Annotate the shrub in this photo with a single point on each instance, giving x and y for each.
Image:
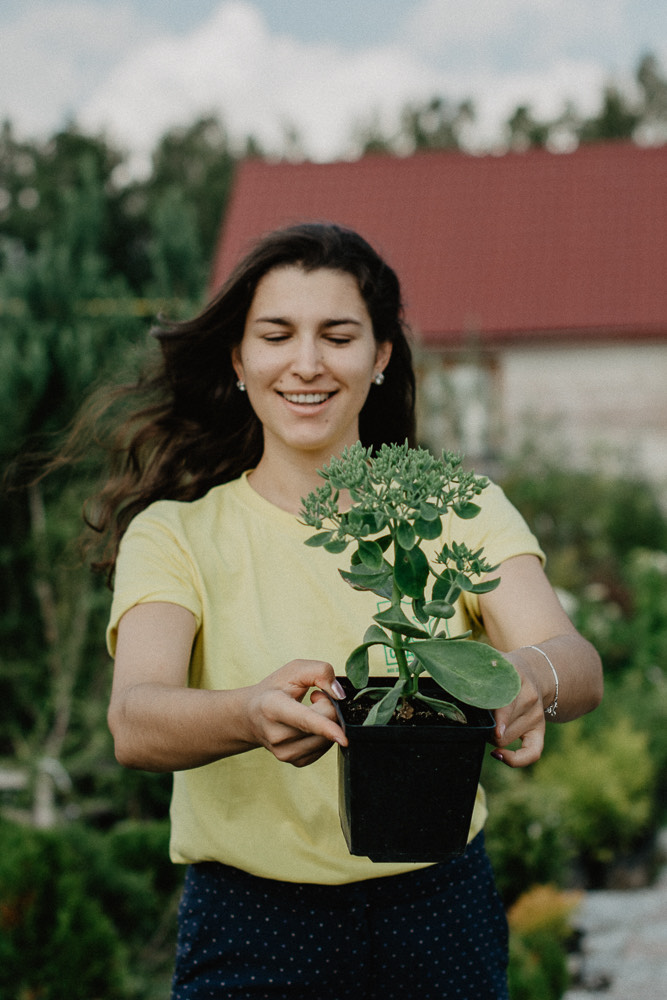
(605, 779)
(525, 837)
(56, 941)
(86, 915)
(540, 928)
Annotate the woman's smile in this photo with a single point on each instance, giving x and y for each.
(306, 398)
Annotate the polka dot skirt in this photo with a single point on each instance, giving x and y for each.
(439, 932)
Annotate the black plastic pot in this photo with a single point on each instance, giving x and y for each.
(405, 792)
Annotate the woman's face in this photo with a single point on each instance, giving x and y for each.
(308, 357)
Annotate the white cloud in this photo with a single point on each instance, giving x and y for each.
(52, 53)
(259, 83)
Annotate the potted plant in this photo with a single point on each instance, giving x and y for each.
(426, 729)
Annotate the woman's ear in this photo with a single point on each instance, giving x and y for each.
(382, 355)
(237, 365)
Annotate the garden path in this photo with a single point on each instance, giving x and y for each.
(625, 943)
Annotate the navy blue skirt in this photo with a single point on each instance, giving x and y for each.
(439, 932)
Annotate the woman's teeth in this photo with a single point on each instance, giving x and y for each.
(306, 397)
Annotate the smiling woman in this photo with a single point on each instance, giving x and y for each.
(228, 631)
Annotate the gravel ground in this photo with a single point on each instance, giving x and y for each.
(624, 949)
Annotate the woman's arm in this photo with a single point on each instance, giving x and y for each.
(522, 612)
(159, 724)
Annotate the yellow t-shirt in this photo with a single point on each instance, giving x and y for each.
(261, 598)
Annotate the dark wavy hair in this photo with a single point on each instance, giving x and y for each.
(191, 429)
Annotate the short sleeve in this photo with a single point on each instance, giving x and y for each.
(153, 564)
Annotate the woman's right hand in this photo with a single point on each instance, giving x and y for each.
(160, 724)
(295, 733)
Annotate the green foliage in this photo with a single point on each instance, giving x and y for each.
(400, 495)
(606, 780)
(587, 523)
(525, 834)
(537, 967)
(56, 941)
(623, 114)
(540, 928)
(79, 908)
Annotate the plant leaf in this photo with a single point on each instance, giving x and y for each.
(374, 636)
(447, 708)
(363, 578)
(428, 529)
(375, 693)
(382, 712)
(466, 511)
(418, 607)
(470, 671)
(338, 545)
(485, 586)
(321, 538)
(439, 609)
(405, 535)
(370, 554)
(356, 665)
(411, 571)
(395, 619)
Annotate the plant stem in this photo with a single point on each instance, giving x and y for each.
(401, 659)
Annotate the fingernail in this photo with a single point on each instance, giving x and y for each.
(337, 689)
(498, 755)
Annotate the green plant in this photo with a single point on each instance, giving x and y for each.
(399, 498)
(524, 833)
(540, 928)
(56, 942)
(605, 779)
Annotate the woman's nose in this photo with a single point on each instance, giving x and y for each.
(307, 361)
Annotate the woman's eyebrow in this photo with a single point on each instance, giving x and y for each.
(283, 321)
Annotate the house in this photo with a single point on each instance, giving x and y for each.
(535, 285)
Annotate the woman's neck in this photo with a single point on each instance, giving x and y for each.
(284, 484)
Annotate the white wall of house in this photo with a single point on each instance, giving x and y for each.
(608, 402)
(604, 404)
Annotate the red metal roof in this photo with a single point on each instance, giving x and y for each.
(527, 244)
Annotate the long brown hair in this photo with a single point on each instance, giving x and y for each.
(191, 429)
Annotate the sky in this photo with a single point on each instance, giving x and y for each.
(134, 68)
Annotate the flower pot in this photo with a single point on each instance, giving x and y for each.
(406, 792)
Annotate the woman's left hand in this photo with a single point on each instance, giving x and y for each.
(523, 719)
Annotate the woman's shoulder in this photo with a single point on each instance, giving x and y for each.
(179, 514)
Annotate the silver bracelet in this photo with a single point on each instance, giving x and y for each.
(553, 707)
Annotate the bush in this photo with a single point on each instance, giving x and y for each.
(539, 932)
(525, 836)
(86, 915)
(56, 941)
(605, 780)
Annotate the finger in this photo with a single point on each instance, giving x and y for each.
(303, 751)
(307, 720)
(321, 702)
(305, 674)
(530, 751)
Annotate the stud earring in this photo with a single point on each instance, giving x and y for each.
(378, 379)
(240, 385)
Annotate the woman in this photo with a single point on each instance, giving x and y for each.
(223, 621)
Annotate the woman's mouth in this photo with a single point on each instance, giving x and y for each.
(306, 398)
